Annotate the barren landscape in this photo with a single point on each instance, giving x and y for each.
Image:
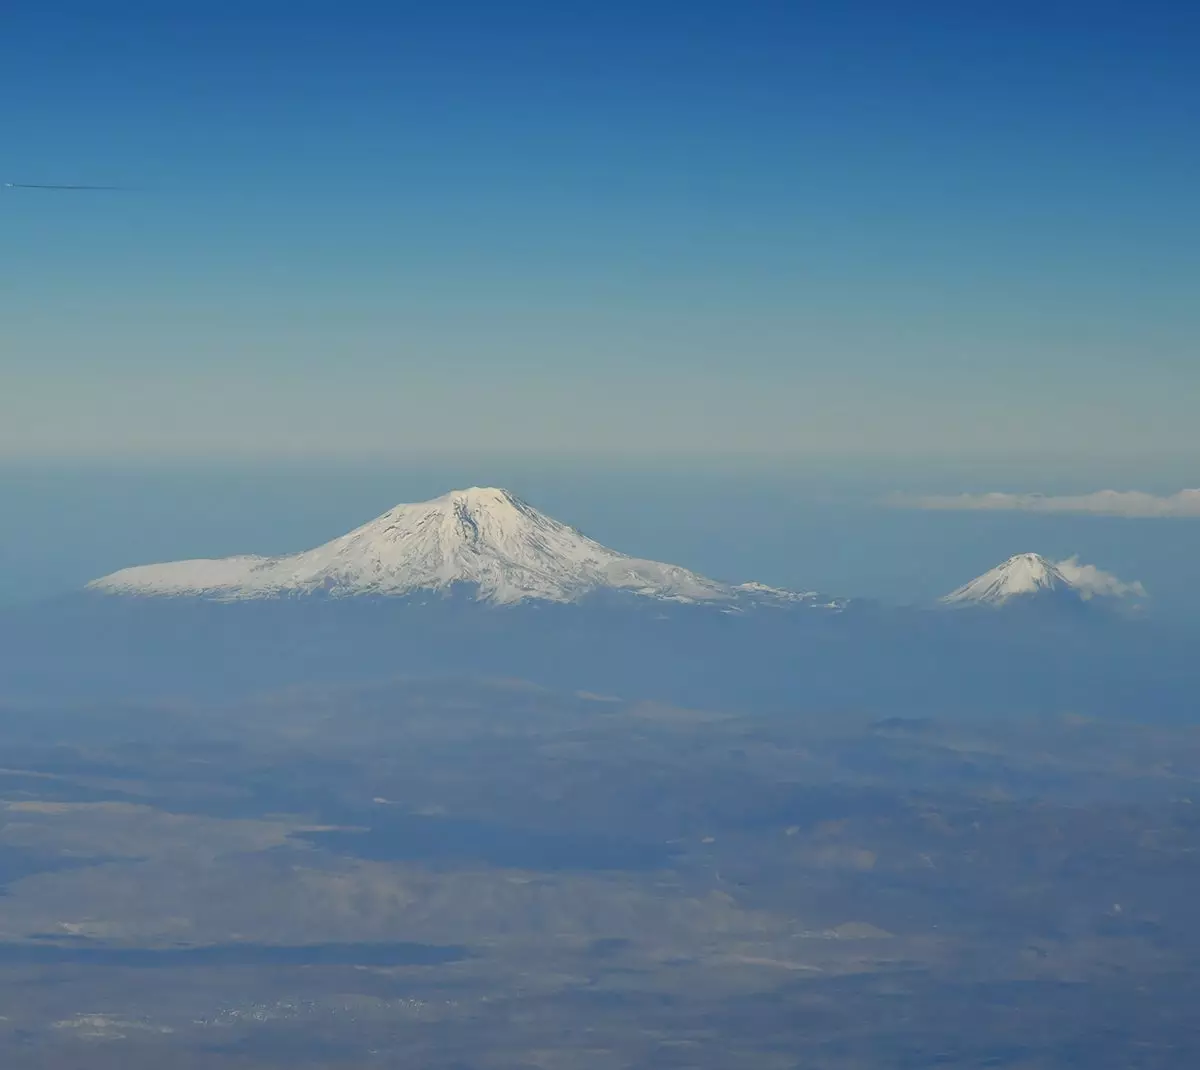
(494, 875)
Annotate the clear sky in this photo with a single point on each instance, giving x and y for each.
(619, 228)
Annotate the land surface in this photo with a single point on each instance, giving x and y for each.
(450, 874)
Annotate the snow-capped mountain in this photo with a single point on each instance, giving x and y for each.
(1029, 577)
(483, 537)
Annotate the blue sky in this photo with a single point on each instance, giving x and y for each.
(636, 230)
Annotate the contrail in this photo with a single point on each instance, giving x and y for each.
(40, 185)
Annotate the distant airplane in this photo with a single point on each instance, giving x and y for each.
(41, 185)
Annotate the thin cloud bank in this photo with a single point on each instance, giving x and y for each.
(1092, 581)
(1133, 503)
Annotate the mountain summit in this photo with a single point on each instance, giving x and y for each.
(483, 537)
(1021, 576)
(1029, 577)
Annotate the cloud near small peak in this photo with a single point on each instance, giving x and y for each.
(1093, 581)
(1130, 503)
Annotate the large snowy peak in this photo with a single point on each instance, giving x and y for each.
(1026, 578)
(483, 537)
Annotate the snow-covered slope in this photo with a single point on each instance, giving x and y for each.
(1022, 575)
(482, 537)
(1029, 577)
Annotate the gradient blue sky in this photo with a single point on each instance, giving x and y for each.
(624, 228)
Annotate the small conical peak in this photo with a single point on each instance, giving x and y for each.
(1031, 576)
(1021, 575)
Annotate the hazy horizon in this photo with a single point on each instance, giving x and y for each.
(820, 526)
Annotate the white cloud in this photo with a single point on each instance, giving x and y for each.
(1092, 581)
(1132, 503)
